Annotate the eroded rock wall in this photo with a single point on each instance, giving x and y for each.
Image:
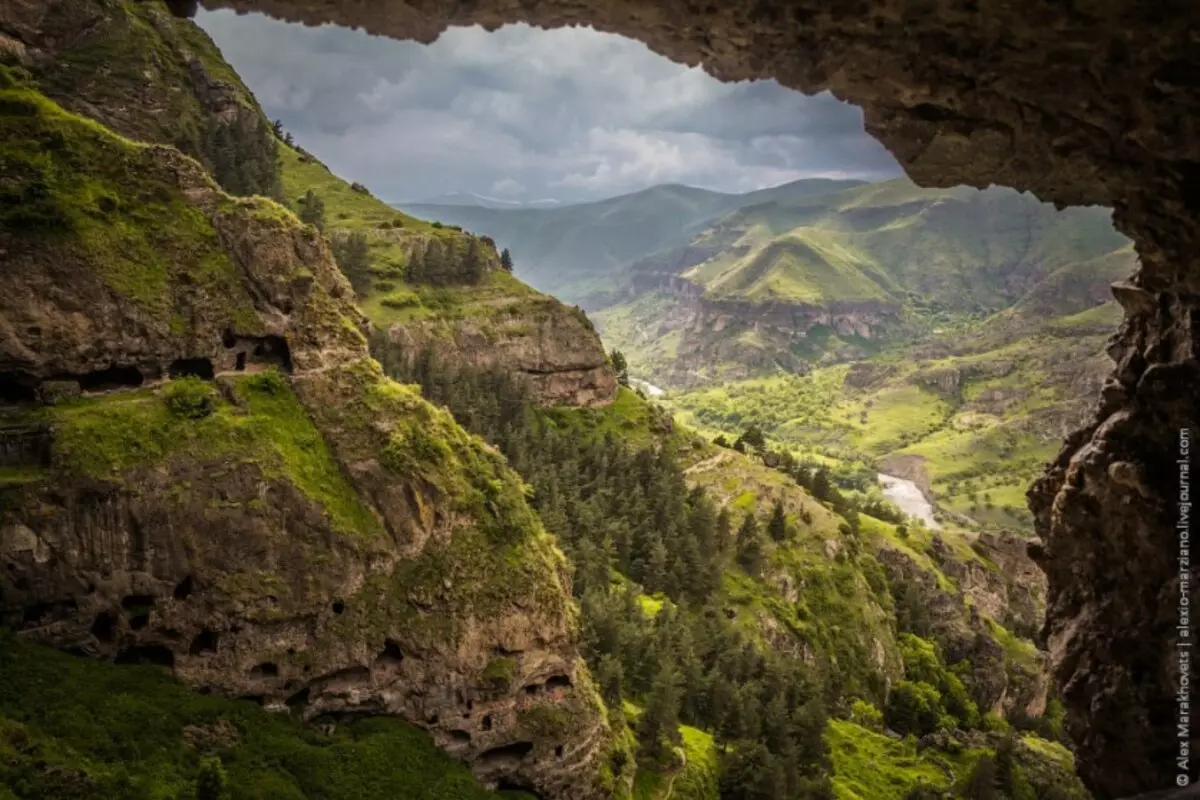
(317, 538)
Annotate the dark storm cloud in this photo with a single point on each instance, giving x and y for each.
(527, 114)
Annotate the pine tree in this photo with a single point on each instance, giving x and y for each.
(506, 261)
(610, 676)
(982, 784)
(211, 781)
(660, 719)
(777, 527)
(620, 366)
(352, 254)
(821, 487)
(312, 210)
(1006, 765)
(749, 546)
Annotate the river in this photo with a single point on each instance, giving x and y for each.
(908, 498)
(647, 387)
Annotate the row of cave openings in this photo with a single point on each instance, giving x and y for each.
(22, 445)
(136, 610)
(19, 387)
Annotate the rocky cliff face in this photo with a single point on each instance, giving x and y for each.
(552, 350)
(137, 70)
(497, 323)
(285, 523)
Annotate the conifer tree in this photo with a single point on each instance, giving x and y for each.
(352, 254)
(312, 210)
(777, 527)
(506, 261)
(749, 546)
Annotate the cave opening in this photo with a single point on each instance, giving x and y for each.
(108, 379)
(204, 642)
(157, 655)
(519, 787)
(17, 388)
(191, 368)
(254, 353)
(267, 669)
(505, 755)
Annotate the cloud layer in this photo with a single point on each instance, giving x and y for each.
(526, 114)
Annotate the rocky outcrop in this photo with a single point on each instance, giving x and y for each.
(314, 537)
(548, 347)
(135, 69)
(1003, 679)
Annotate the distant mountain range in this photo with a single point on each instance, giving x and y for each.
(577, 251)
(477, 200)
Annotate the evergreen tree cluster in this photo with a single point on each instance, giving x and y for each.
(442, 264)
(814, 477)
(620, 366)
(311, 210)
(620, 511)
(242, 156)
(352, 253)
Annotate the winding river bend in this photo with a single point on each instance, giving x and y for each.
(908, 498)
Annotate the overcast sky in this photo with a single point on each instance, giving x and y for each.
(526, 114)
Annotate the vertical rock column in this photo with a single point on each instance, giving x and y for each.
(1113, 530)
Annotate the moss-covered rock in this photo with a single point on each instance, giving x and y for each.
(149, 76)
(284, 523)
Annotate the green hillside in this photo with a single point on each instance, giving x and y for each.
(961, 331)
(957, 250)
(76, 728)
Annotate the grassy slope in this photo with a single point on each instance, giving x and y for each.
(843, 612)
(103, 437)
(499, 298)
(72, 728)
(134, 43)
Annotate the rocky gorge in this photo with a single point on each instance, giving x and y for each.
(175, 464)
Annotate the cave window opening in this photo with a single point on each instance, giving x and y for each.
(486, 724)
(507, 785)
(104, 627)
(299, 701)
(108, 380)
(17, 388)
(191, 368)
(147, 654)
(509, 753)
(184, 588)
(266, 669)
(240, 365)
(558, 682)
(205, 642)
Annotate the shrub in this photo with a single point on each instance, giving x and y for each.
(866, 715)
(191, 398)
(914, 707)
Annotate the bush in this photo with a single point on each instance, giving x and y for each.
(866, 715)
(914, 707)
(191, 398)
